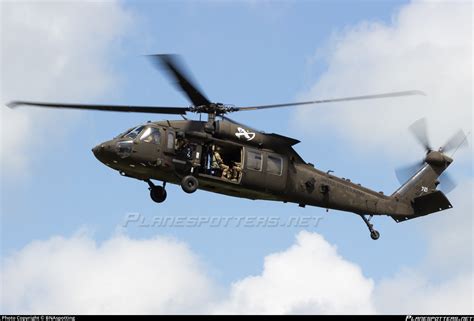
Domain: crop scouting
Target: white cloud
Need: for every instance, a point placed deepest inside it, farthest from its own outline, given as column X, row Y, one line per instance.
column 451, row 245
column 121, row 275
column 52, row 51
column 309, row 277
column 410, row 292
column 444, row 281
column 161, row 275
column 427, row 46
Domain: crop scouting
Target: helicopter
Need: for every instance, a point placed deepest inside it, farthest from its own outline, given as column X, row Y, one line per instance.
column 222, row 156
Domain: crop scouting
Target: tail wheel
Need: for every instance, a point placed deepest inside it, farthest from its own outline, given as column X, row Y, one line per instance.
column 374, row 235
column 189, row 184
column 158, row 194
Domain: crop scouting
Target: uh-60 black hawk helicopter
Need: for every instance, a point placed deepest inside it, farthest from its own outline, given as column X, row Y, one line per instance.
column 223, row 156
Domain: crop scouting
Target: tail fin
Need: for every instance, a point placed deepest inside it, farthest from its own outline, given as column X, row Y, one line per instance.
column 420, row 190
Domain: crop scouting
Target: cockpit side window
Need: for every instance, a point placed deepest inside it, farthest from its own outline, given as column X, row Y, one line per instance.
column 171, row 142
column 151, row 135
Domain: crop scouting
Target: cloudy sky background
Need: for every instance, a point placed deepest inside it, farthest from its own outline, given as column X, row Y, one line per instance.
column 63, row 247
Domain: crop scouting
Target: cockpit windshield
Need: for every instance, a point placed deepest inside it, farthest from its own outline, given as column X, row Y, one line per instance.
column 132, row 133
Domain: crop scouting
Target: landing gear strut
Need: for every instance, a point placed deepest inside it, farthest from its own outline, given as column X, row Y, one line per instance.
column 157, row 193
column 374, row 234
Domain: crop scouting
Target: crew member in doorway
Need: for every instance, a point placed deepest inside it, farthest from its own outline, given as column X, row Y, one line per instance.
column 235, row 171
column 218, row 162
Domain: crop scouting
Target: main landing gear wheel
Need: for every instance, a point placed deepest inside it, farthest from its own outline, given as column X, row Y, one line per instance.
column 189, row 184
column 157, row 193
column 374, row 234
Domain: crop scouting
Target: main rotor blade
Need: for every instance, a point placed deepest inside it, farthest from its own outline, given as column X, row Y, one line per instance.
column 132, row 109
column 180, row 78
column 457, row 141
column 386, row 95
column 419, row 130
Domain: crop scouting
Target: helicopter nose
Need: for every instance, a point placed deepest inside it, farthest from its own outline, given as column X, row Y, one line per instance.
column 96, row 150
column 103, row 151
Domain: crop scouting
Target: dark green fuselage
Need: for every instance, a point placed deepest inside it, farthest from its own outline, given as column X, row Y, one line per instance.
column 290, row 180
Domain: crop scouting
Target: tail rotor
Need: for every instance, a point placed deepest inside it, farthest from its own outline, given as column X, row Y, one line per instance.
column 433, row 157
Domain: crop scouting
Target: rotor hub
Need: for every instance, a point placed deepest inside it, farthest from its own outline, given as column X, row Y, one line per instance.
column 438, row 158
column 213, row 108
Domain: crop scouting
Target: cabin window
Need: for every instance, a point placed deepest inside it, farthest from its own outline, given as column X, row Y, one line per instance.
column 254, row 161
column 170, row 143
column 151, row 135
column 274, row 165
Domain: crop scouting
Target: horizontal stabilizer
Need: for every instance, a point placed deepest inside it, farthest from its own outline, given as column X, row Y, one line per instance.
column 426, row 204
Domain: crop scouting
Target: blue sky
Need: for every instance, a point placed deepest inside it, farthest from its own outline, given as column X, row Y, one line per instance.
column 242, row 53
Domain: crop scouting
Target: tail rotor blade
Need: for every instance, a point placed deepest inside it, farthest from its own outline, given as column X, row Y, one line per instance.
column 458, row 140
column 447, row 183
column 406, row 172
column 419, row 130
